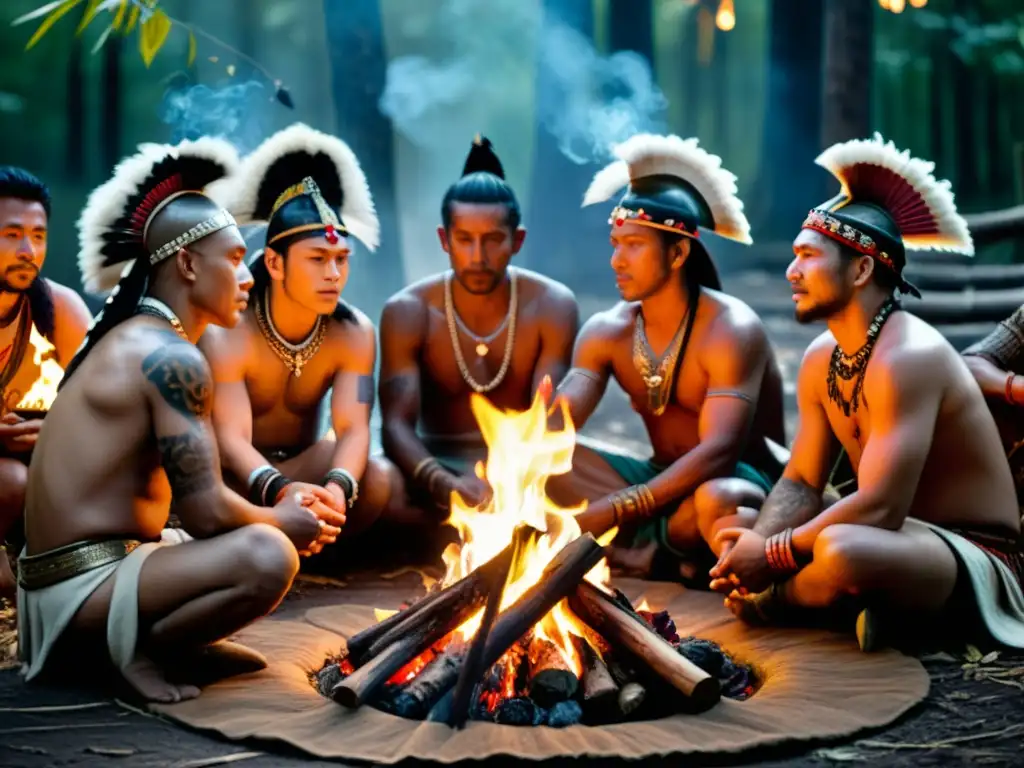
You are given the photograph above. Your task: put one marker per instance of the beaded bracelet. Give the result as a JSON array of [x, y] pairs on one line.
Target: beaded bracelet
[[633, 502], [778, 550]]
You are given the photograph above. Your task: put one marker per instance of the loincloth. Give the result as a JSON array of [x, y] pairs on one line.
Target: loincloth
[[992, 569], [52, 586], [635, 471]]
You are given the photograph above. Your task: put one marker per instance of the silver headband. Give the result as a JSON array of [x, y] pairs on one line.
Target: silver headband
[[220, 220]]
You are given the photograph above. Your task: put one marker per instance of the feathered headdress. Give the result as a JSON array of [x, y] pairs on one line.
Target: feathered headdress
[[114, 224], [302, 180], [673, 185], [889, 203]]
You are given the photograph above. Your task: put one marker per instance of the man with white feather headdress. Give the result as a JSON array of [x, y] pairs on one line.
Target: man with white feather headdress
[[710, 396], [299, 339], [932, 530], [129, 438]]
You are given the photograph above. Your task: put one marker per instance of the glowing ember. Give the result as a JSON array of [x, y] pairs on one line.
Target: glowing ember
[[42, 393]]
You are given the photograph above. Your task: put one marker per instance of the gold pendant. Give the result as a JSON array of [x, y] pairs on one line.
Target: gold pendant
[[482, 350], [653, 382]]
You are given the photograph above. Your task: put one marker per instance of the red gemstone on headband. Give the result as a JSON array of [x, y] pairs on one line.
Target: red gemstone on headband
[[331, 234], [619, 222]]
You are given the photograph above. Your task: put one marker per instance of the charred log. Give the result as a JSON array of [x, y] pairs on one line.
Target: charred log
[[551, 678]]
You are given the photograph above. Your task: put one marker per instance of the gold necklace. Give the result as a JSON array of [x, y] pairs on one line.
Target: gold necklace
[[658, 376], [294, 356], [156, 308], [453, 331]]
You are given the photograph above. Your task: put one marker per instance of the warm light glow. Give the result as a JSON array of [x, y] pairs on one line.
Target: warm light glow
[[43, 392], [884, 4], [522, 454], [919, 3], [382, 613], [644, 606], [725, 19], [897, 6]]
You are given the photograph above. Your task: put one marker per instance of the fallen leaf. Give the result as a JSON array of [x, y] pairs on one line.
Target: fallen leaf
[[973, 654], [284, 97], [988, 658], [110, 751], [941, 656], [958, 696]]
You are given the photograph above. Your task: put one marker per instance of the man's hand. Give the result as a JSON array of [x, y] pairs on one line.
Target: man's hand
[[742, 562], [474, 491], [338, 494], [323, 495], [302, 519], [18, 435]]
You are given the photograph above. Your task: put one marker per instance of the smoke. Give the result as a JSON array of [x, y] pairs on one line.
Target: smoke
[[237, 113], [586, 101]]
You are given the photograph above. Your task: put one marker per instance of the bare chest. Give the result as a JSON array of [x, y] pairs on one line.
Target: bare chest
[[681, 384], [274, 387], [456, 363]]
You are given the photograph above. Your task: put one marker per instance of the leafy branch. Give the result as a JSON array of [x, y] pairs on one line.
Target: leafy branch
[[154, 27]]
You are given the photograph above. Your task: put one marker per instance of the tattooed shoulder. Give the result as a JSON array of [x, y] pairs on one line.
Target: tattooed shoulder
[[188, 462], [181, 376]]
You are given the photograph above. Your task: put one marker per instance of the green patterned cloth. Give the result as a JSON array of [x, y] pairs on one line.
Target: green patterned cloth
[[636, 471]]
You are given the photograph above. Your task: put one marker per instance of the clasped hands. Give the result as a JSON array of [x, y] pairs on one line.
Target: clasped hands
[[326, 505], [742, 565]]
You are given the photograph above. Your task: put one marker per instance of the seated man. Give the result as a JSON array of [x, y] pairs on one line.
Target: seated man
[[298, 339], [997, 362], [934, 516], [26, 299], [481, 327], [695, 363], [129, 438]]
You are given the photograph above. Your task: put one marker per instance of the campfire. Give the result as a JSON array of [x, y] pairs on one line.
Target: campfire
[[40, 396], [525, 628]]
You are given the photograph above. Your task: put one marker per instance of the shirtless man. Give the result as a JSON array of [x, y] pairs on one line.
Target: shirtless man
[[935, 499], [711, 394], [26, 299], [297, 339], [129, 437], [481, 327], [997, 362]]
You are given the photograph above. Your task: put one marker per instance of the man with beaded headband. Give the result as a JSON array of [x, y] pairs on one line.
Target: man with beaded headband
[[709, 397], [298, 339], [129, 439], [932, 529], [481, 326]]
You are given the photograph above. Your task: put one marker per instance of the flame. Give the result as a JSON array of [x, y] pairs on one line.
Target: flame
[[382, 613], [725, 19], [522, 453], [644, 606], [43, 391]]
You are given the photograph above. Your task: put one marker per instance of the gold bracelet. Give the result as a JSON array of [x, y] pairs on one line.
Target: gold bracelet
[[422, 466], [646, 499]]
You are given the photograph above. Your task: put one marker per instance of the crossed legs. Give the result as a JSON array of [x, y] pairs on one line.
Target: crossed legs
[[190, 596]]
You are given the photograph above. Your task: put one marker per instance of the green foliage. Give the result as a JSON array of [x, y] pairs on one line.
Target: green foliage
[[124, 18]]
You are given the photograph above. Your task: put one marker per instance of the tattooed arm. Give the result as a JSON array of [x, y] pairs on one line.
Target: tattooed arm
[[585, 383], [352, 400], [797, 497], [179, 390], [558, 332], [403, 325]]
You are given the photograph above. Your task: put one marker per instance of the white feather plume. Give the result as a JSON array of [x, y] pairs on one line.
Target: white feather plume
[[107, 203], [648, 154], [951, 231], [240, 195]]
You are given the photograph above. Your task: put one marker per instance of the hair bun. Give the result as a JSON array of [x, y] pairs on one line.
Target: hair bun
[[481, 158]]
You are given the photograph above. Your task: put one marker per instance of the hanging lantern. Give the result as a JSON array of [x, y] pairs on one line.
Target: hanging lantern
[[725, 19]]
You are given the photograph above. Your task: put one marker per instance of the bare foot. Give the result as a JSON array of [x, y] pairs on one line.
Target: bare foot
[[148, 679], [209, 663], [8, 585]]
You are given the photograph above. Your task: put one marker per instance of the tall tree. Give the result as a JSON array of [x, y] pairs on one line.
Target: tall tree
[[110, 120], [561, 243], [74, 112], [848, 68], [355, 36], [791, 139], [630, 27]]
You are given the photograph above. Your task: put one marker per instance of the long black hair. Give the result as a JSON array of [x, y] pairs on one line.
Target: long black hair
[[19, 184], [698, 269], [482, 182]]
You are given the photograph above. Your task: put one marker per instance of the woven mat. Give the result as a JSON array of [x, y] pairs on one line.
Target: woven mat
[[816, 685]]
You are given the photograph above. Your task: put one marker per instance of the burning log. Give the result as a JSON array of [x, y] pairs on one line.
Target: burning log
[[630, 632], [600, 691], [449, 608], [551, 679], [560, 578], [373, 640]]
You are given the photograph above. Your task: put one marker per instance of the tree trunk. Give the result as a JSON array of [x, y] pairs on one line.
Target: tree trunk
[[110, 123], [563, 247], [848, 64], [359, 70], [966, 181], [630, 27], [74, 155], [788, 180]]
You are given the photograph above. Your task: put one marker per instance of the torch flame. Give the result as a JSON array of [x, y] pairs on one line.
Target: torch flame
[[43, 391], [522, 454]]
